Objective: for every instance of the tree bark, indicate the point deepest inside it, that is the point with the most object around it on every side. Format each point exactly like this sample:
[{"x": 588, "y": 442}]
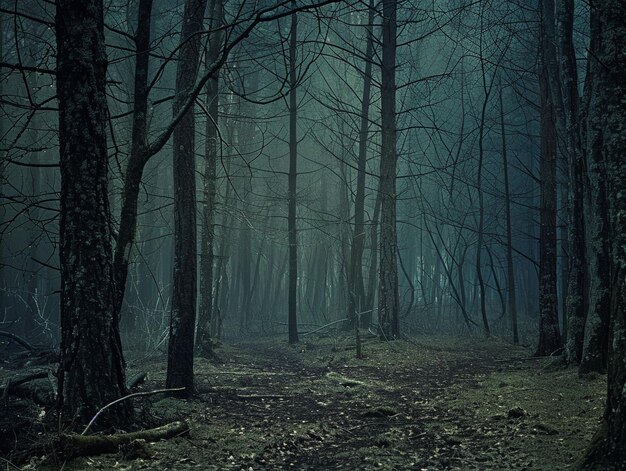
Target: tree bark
[
  {"x": 205, "y": 312},
  {"x": 356, "y": 287},
  {"x": 138, "y": 155},
  {"x": 293, "y": 160},
  {"x": 91, "y": 370},
  {"x": 388, "y": 300},
  {"x": 595, "y": 345},
  {"x": 549, "y": 335},
  {"x": 511, "y": 300},
  {"x": 183, "y": 317},
  {"x": 612, "y": 87},
  {"x": 577, "y": 296},
  {"x": 610, "y": 445}
]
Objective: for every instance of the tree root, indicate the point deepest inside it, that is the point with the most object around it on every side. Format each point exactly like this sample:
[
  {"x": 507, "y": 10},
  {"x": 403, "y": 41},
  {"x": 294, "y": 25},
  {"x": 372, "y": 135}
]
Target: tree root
[{"x": 594, "y": 454}]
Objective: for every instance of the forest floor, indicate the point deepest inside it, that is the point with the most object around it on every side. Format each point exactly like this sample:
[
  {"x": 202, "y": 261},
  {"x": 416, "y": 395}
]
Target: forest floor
[{"x": 429, "y": 403}]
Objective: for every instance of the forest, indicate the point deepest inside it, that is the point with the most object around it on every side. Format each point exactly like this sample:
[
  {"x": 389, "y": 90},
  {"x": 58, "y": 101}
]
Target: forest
[{"x": 313, "y": 234}]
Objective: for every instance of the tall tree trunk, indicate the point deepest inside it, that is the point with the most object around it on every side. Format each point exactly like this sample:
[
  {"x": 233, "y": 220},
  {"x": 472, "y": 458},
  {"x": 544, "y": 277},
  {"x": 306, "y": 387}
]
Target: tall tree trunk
[
  {"x": 511, "y": 300},
  {"x": 205, "y": 312},
  {"x": 91, "y": 370},
  {"x": 182, "y": 322},
  {"x": 388, "y": 302},
  {"x": 609, "y": 80},
  {"x": 613, "y": 89},
  {"x": 373, "y": 268},
  {"x": 356, "y": 287},
  {"x": 293, "y": 160},
  {"x": 549, "y": 335},
  {"x": 137, "y": 158},
  {"x": 577, "y": 298},
  {"x": 595, "y": 346}
]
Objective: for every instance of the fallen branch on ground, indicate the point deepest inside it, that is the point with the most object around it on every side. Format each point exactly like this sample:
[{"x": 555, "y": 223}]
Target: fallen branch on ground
[
  {"x": 41, "y": 394},
  {"x": 68, "y": 446},
  {"x": 14, "y": 382},
  {"x": 117, "y": 401}
]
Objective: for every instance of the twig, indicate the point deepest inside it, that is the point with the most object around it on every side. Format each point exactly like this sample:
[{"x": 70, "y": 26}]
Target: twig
[
  {"x": 323, "y": 327},
  {"x": 147, "y": 393}
]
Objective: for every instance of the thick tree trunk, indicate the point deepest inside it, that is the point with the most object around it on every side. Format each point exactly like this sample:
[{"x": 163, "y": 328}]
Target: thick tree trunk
[
  {"x": 549, "y": 335},
  {"x": 91, "y": 371},
  {"x": 205, "y": 313},
  {"x": 577, "y": 296},
  {"x": 612, "y": 87},
  {"x": 388, "y": 302},
  {"x": 609, "y": 449},
  {"x": 293, "y": 160},
  {"x": 182, "y": 322}
]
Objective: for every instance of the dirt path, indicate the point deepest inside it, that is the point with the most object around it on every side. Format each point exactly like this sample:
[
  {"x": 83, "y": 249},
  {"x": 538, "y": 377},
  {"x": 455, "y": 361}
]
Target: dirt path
[{"x": 430, "y": 404}]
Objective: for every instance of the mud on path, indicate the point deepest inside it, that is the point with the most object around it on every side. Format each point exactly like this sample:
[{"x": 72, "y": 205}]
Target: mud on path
[{"x": 433, "y": 403}]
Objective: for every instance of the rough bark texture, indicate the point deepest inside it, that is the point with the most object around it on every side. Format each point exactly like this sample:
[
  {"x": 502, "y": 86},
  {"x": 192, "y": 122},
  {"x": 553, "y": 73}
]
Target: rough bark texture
[
  {"x": 608, "y": 449},
  {"x": 183, "y": 318},
  {"x": 612, "y": 58},
  {"x": 293, "y": 161},
  {"x": 549, "y": 335},
  {"x": 595, "y": 346},
  {"x": 577, "y": 296},
  {"x": 205, "y": 312},
  {"x": 91, "y": 371},
  {"x": 388, "y": 302}
]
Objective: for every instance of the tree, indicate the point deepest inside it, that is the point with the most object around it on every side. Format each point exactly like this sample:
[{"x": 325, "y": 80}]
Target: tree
[
  {"x": 388, "y": 300},
  {"x": 595, "y": 346},
  {"x": 183, "y": 320},
  {"x": 205, "y": 313},
  {"x": 91, "y": 372},
  {"x": 609, "y": 448},
  {"x": 356, "y": 286},
  {"x": 510, "y": 271},
  {"x": 293, "y": 161},
  {"x": 577, "y": 298},
  {"x": 549, "y": 335}
]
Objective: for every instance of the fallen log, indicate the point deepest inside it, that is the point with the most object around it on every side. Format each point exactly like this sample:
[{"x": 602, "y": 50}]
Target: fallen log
[
  {"x": 69, "y": 446},
  {"x": 22, "y": 379},
  {"x": 39, "y": 393},
  {"x": 75, "y": 445}
]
